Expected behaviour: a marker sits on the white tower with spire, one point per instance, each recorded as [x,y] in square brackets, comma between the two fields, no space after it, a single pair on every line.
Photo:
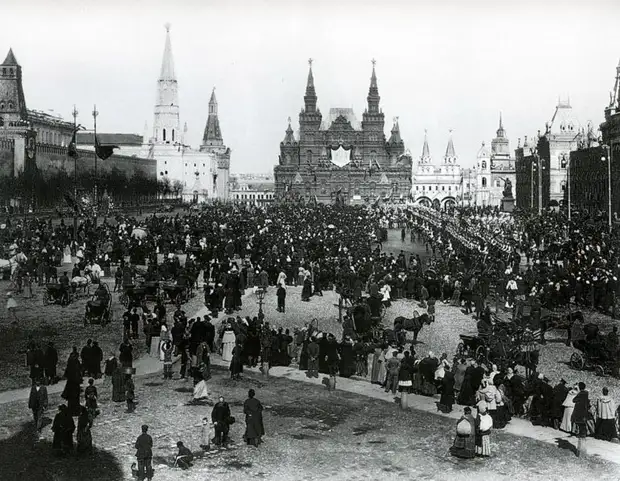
[166,123]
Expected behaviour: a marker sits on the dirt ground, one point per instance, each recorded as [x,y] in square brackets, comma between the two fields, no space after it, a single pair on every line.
[311,434]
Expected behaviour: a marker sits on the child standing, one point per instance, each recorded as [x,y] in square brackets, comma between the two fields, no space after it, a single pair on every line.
[206,434]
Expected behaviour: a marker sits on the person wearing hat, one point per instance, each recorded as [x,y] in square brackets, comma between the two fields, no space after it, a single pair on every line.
[144,454]
[560,391]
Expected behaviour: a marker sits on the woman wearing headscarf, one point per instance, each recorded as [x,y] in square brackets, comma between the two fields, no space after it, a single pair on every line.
[464,445]
[484,423]
[228,342]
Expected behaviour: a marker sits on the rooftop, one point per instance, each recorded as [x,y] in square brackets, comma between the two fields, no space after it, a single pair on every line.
[114,139]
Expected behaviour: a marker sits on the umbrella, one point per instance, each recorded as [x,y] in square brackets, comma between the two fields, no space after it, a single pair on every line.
[139,233]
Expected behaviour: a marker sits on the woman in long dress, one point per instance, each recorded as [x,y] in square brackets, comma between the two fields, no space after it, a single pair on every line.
[569,406]
[254,428]
[66,255]
[484,423]
[84,436]
[236,365]
[228,344]
[447,393]
[201,375]
[464,445]
[376,365]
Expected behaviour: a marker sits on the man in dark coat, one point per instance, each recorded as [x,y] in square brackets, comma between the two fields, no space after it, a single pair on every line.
[63,427]
[580,417]
[557,409]
[50,361]
[144,454]
[37,402]
[209,332]
[220,417]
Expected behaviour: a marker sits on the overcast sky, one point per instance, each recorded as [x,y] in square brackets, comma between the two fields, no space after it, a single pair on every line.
[441,64]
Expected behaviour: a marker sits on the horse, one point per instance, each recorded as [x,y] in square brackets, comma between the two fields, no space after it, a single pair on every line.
[414,324]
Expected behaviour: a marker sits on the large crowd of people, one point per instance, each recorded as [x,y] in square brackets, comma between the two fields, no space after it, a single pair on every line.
[471,252]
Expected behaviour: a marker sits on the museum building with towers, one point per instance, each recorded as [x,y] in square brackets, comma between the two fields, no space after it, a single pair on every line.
[337,158]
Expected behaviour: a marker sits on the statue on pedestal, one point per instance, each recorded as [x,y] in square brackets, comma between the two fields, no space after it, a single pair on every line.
[507,189]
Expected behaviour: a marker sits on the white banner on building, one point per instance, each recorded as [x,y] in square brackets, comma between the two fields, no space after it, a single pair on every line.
[341,156]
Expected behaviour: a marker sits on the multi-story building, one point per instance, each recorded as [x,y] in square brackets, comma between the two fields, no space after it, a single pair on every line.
[251,189]
[338,158]
[437,185]
[589,170]
[551,152]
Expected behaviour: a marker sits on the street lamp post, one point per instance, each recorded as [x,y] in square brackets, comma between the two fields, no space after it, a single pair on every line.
[532,168]
[96,200]
[75,177]
[609,149]
[568,186]
[260,294]
[540,195]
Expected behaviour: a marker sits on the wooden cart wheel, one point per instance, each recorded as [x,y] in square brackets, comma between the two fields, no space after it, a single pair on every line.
[599,370]
[577,361]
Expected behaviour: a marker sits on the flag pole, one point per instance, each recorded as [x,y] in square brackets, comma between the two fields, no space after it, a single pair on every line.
[75,176]
[96,200]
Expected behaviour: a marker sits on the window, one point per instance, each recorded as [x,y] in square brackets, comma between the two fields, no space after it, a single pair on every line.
[164,135]
[436,187]
[417,187]
[173,135]
[423,187]
[161,173]
[484,165]
[443,187]
[165,162]
[3,70]
[1,105]
[484,182]
[10,105]
[166,172]
[449,187]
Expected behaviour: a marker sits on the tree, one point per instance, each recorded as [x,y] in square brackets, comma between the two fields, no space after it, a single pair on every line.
[177,188]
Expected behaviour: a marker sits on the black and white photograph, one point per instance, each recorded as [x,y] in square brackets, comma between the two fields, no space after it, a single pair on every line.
[309,240]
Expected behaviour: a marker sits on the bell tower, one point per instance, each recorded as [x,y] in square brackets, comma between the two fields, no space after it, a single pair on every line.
[166,124]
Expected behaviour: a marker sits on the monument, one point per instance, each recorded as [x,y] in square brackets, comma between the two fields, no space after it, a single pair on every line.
[508,201]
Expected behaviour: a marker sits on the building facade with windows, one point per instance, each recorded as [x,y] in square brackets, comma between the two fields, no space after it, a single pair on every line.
[549,152]
[437,184]
[337,158]
[589,169]
[252,189]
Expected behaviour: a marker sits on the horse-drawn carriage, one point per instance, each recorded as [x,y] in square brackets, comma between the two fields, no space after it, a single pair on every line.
[505,344]
[366,321]
[595,353]
[56,293]
[136,295]
[178,292]
[99,308]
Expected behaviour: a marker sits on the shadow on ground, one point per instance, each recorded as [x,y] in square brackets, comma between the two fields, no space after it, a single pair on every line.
[22,457]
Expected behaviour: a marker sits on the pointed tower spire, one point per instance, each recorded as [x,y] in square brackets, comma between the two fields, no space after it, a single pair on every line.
[426,152]
[289,137]
[373,92]
[212,135]
[395,138]
[450,152]
[310,98]
[167,64]
[166,125]
[10,59]
[501,133]
[13,106]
